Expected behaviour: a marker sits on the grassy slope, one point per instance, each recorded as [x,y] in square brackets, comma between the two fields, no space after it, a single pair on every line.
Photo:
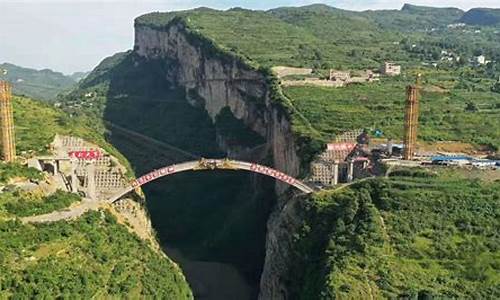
[279,37]
[323,37]
[37,123]
[310,35]
[411,17]
[22,204]
[381,106]
[401,237]
[92,256]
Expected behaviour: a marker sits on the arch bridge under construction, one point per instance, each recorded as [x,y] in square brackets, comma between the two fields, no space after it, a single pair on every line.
[211,164]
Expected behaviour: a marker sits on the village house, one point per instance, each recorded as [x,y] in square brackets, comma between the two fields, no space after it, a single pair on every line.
[340,76]
[343,160]
[391,69]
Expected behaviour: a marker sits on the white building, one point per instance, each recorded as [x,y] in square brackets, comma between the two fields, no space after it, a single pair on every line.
[391,69]
[481,59]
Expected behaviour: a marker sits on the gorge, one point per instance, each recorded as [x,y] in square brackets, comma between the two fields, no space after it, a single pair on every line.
[180,89]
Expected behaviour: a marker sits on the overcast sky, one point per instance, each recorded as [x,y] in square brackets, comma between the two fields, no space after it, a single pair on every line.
[75,35]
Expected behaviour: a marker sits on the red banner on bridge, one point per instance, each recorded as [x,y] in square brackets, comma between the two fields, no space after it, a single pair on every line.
[152,176]
[273,173]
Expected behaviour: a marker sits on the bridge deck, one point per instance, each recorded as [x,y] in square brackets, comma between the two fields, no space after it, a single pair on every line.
[212,164]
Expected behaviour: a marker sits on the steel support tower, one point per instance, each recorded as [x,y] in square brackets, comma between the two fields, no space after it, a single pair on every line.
[7,123]
[411,120]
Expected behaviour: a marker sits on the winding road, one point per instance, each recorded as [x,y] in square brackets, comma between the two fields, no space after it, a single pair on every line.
[69,213]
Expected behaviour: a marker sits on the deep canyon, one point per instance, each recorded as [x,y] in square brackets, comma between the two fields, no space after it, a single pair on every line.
[176,88]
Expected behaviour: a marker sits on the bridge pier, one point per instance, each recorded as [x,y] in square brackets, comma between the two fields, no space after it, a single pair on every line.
[335,179]
[74,177]
[91,188]
[350,171]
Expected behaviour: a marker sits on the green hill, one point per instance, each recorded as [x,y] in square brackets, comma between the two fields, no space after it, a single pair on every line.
[415,18]
[93,256]
[310,36]
[36,124]
[482,16]
[416,235]
[39,84]
[323,37]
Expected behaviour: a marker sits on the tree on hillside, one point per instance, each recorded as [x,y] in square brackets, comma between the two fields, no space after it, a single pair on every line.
[496,87]
[471,107]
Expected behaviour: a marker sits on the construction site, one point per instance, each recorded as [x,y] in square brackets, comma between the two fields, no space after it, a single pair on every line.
[352,155]
[81,167]
[84,168]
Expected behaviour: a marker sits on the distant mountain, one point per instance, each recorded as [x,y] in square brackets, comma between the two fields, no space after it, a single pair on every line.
[408,18]
[413,17]
[417,9]
[78,76]
[38,84]
[482,16]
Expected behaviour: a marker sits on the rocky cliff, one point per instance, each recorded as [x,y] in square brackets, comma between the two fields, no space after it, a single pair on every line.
[216,81]
[220,82]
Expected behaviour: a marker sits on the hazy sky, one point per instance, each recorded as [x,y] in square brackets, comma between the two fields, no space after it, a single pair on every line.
[75,35]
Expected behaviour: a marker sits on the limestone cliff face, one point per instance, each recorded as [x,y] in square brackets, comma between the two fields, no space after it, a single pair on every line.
[215,82]
[223,83]
[283,223]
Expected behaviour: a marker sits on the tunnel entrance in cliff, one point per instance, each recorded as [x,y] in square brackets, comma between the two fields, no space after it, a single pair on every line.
[204,222]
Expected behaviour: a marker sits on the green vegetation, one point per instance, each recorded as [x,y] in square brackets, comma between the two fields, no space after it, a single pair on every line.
[443,109]
[413,18]
[25,204]
[323,37]
[92,257]
[413,236]
[43,84]
[271,38]
[15,170]
[482,16]
[235,132]
[37,123]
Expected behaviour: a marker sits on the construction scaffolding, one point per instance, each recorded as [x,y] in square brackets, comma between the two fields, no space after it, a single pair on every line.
[411,120]
[7,123]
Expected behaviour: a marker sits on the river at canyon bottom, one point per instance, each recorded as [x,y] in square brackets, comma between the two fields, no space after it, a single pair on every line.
[213,280]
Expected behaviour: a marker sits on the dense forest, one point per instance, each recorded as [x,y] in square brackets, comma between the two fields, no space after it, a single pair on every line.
[418,234]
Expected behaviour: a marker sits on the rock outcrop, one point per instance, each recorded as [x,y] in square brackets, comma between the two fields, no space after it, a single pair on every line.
[223,82]
[215,82]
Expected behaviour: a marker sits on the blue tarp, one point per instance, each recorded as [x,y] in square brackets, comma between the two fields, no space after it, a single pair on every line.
[448,158]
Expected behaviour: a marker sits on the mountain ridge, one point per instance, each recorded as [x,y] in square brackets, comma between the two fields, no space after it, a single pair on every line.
[44,84]
[482,16]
